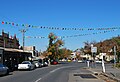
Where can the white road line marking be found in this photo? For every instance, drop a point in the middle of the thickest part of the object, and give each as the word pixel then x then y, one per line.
pixel 53 72
pixel 38 80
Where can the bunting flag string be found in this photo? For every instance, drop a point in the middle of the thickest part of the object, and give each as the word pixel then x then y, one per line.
pixel 34 37
pixel 87 34
pixel 54 28
pixel 61 37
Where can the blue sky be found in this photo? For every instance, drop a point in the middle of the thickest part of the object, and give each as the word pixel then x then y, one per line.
pixel 63 14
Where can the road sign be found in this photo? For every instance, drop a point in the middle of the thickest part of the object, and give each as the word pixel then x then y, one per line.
pixel 94 49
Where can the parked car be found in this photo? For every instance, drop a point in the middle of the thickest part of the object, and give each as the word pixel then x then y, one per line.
pixel 43 62
pixel 80 61
pixel 37 63
pixel 4 70
pixel 54 62
pixel 69 60
pixel 26 65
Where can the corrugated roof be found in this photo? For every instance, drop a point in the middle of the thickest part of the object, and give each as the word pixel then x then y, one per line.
pixel 13 50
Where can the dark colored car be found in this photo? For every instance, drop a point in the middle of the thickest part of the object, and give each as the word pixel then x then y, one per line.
pixel 4 70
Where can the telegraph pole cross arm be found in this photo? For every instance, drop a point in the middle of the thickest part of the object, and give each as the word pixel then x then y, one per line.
pixel 23 36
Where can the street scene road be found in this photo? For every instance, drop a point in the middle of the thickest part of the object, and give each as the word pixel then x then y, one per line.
pixel 60 41
pixel 53 73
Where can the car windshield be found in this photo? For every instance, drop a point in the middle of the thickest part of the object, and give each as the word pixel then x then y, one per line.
pixel 35 61
pixel 25 62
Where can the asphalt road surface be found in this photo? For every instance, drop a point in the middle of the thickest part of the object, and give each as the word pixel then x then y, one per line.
pixel 53 73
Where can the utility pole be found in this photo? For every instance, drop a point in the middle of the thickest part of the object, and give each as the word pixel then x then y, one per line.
pixel 23 36
pixel 4 43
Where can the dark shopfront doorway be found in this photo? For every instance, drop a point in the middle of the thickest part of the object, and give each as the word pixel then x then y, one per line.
pixel 12 59
pixel 1 56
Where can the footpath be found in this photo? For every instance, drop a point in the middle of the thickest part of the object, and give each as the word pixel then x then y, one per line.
pixel 95 74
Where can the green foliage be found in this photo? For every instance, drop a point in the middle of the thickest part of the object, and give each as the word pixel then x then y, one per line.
pixel 64 53
pixel 54 45
pixel 117 40
pixel 117 65
pixel 105 46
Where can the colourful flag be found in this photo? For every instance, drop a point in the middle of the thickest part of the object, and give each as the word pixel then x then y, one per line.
pixel 12 23
pixel 2 22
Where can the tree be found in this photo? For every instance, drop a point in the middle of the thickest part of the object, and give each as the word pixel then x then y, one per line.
pixel 54 45
pixel 107 46
pixel 64 53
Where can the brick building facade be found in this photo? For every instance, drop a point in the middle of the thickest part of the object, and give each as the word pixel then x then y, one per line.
pixel 9 42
